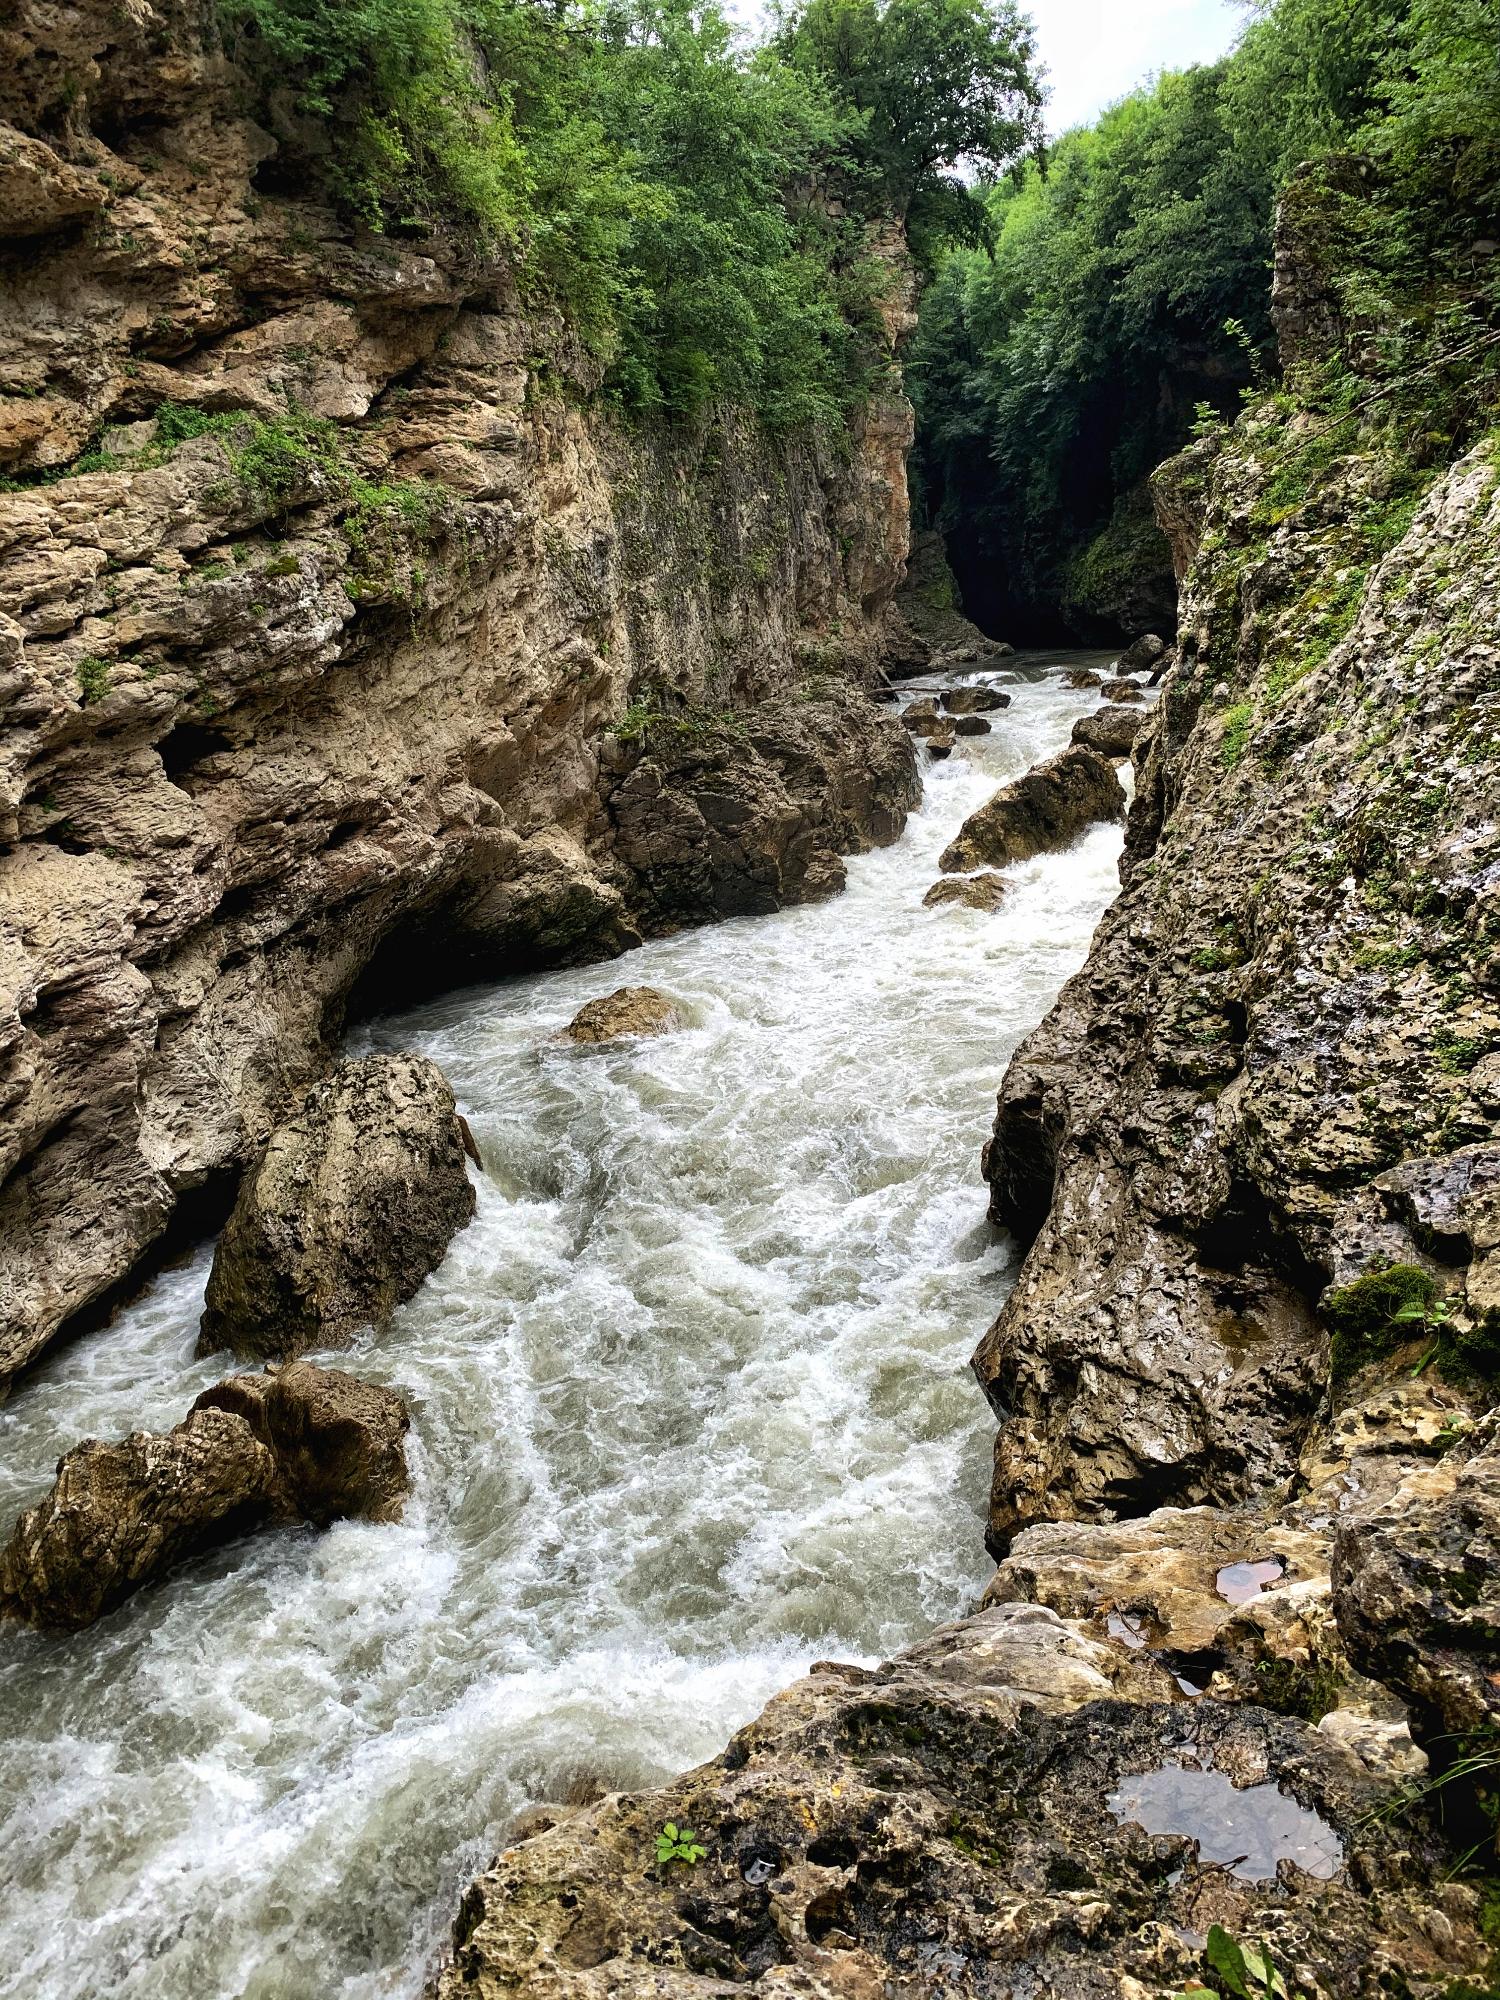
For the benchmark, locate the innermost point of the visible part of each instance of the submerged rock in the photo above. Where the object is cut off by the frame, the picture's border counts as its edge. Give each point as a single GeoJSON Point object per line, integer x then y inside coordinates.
{"type": "Point", "coordinates": [351, 1205]}
{"type": "Point", "coordinates": [975, 700]}
{"type": "Point", "coordinates": [1113, 730]}
{"type": "Point", "coordinates": [1043, 810]}
{"type": "Point", "coordinates": [979, 892]}
{"type": "Point", "coordinates": [629, 1010]}
{"type": "Point", "coordinates": [299, 1443]}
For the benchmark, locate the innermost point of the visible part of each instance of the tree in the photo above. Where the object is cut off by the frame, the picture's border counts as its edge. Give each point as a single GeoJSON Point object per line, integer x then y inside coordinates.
{"type": "Point", "coordinates": [944, 89]}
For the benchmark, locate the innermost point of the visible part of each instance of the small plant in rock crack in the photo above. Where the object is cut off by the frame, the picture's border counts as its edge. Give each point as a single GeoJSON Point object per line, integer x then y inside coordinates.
{"type": "Point", "coordinates": [1239, 1972]}
{"type": "Point", "coordinates": [678, 1843]}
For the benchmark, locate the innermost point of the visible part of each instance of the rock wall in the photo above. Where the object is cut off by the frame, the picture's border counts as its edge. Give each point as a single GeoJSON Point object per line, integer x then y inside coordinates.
{"type": "Point", "coordinates": [343, 629]}
{"type": "Point", "coordinates": [1280, 1067]}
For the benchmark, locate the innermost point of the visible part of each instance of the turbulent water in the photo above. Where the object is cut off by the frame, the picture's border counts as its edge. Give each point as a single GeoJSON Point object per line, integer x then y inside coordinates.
{"type": "Point", "coordinates": [691, 1409]}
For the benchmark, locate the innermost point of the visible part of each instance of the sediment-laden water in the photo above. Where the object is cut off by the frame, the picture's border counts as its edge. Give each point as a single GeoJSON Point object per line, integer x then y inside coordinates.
{"type": "Point", "coordinates": [691, 1409]}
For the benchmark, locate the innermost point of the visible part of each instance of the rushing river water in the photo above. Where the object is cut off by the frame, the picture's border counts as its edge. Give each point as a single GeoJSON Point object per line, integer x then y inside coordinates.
{"type": "Point", "coordinates": [691, 1409]}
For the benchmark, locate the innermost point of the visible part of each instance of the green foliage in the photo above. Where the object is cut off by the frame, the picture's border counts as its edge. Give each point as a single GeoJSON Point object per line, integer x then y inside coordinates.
{"type": "Point", "coordinates": [638, 169]}
{"type": "Point", "coordinates": [932, 83]}
{"type": "Point", "coordinates": [1127, 296]}
{"type": "Point", "coordinates": [1292, 1688]}
{"type": "Point", "coordinates": [1377, 1313]}
{"type": "Point", "coordinates": [1239, 721]}
{"type": "Point", "coordinates": [1053, 372]}
{"type": "Point", "coordinates": [92, 676]}
{"type": "Point", "coordinates": [678, 1843]}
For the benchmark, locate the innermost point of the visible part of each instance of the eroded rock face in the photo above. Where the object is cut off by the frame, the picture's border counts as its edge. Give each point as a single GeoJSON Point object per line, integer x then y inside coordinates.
{"type": "Point", "coordinates": [1113, 730]}
{"type": "Point", "coordinates": [301, 1444]}
{"type": "Point", "coordinates": [1279, 1067]}
{"type": "Point", "coordinates": [629, 1010]}
{"type": "Point", "coordinates": [1417, 1592]}
{"type": "Point", "coordinates": [251, 758]}
{"type": "Point", "coordinates": [352, 1204]}
{"type": "Point", "coordinates": [1045, 809]}
{"type": "Point", "coordinates": [966, 1819]}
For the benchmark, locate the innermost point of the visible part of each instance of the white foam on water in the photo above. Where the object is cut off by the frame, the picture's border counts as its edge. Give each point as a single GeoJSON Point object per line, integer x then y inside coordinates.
{"type": "Point", "coordinates": [691, 1409]}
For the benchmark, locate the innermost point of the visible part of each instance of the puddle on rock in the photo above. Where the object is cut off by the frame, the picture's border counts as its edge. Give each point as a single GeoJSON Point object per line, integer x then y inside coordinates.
{"type": "Point", "coordinates": [1246, 1831]}
{"type": "Point", "coordinates": [1242, 1582]}
{"type": "Point", "coordinates": [1126, 1627]}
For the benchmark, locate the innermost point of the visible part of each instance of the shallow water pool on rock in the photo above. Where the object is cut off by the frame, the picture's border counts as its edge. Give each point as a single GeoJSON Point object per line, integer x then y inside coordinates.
{"type": "Point", "coordinates": [691, 1409]}
{"type": "Point", "coordinates": [1246, 1830]}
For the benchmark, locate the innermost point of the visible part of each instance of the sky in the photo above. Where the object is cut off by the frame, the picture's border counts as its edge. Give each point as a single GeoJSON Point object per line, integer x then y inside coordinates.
{"type": "Point", "coordinates": [1097, 50]}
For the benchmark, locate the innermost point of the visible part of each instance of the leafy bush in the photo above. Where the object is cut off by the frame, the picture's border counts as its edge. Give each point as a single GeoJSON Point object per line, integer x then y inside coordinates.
{"type": "Point", "coordinates": [669, 192]}
{"type": "Point", "coordinates": [1376, 1313]}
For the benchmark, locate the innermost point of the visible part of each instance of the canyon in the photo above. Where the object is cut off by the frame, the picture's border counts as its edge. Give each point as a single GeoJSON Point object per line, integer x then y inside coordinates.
{"type": "Point", "coordinates": [371, 678]}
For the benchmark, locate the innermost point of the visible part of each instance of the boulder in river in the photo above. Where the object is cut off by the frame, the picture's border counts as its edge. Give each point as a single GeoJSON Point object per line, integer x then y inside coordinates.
{"type": "Point", "coordinates": [940, 739]}
{"type": "Point", "coordinates": [977, 892]}
{"type": "Point", "coordinates": [351, 1205]}
{"type": "Point", "coordinates": [1043, 810]}
{"type": "Point", "coordinates": [628, 1011]}
{"type": "Point", "coordinates": [1141, 653]}
{"type": "Point", "coordinates": [975, 700]}
{"type": "Point", "coordinates": [1082, 677]}
{"type": "Point", "coordinates": [299, 1443]}
{"type": "Point", "coordinates": [1113, 730]}
{"type": "Point", "coordinates": [971, 725]}
{"type": "Point", "coordinates": [1122, 690]}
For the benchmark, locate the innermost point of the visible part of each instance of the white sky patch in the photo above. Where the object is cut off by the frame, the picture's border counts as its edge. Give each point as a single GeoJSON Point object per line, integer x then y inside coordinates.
{"type": "Point", "coordinates": [1096, 51]}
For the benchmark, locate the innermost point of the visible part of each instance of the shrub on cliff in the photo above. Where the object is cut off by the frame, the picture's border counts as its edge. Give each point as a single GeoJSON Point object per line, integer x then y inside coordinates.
{"type": "Point", "coordinates": [670, 191]}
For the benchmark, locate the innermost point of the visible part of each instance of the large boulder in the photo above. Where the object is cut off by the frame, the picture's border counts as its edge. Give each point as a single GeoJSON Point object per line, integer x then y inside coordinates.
{"type": "Point", "coordinates": [975, 700]}
{"type": "Point", "coordinates": [301, 1443]}
{"type": "Point", "coordinates": [1141, 653]}
{"type": "Point", "coordinates": [977, 892]}
{"type": "Point", "coordinates": [352, 1204]}
{"type": "Point", "coordinates": [629, 1010]}
{"type": "Point", "coordinates": [1112, 730]}
{"type": "Point", "coordinates": [1122, 690]}
{"type": "Point", "coordinates": [1043, 810]}
{"type": "Point", "coordinates": [339, 1443]}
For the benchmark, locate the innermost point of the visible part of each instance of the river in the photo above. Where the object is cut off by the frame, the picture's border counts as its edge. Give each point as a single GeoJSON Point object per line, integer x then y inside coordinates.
{"type": "Point", "coordinates": [691, 1408]}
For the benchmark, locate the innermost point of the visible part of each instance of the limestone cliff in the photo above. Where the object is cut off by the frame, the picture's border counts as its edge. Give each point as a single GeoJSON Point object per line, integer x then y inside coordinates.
{"type": "Point", "coordinates": [1280, 1067]}
{"type": "Point", "coordinates": [345, 631]}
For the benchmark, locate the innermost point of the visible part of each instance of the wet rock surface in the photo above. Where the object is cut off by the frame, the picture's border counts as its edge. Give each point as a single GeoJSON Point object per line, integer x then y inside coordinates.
{"type": "Point", "coordinates": [984, 891]}
{"type": "Point", "coordinates": [352, 1204]}
{"type": "Point", "coordinates": [974, 700]}
{"type": "Point", "coordinates": [629, 1010]}
{"type": "Point", "coordinates": [1142, 653]}
{"type": "Point", "coordinates": [983, 1816]}
{"type": "Point", "coordinates": [1113, 730]}
{"type": "Point", "coordinates": [297, 1444]}
{"type": "Point", "coordinates": [1044, 809]}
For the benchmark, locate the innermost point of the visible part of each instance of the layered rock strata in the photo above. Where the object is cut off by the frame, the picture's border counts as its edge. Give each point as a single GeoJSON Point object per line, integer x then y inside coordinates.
{"type": "Point", "coordinates": [344, 636]}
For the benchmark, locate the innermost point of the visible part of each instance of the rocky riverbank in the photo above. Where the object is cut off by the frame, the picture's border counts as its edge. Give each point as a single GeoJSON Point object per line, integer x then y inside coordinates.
{"type": "Point", "coordinates": [1233, 1686]}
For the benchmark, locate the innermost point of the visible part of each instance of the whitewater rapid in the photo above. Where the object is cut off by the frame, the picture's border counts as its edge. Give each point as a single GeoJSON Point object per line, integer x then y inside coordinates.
{"type": "Point", "coordinates": [691, 1408]}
